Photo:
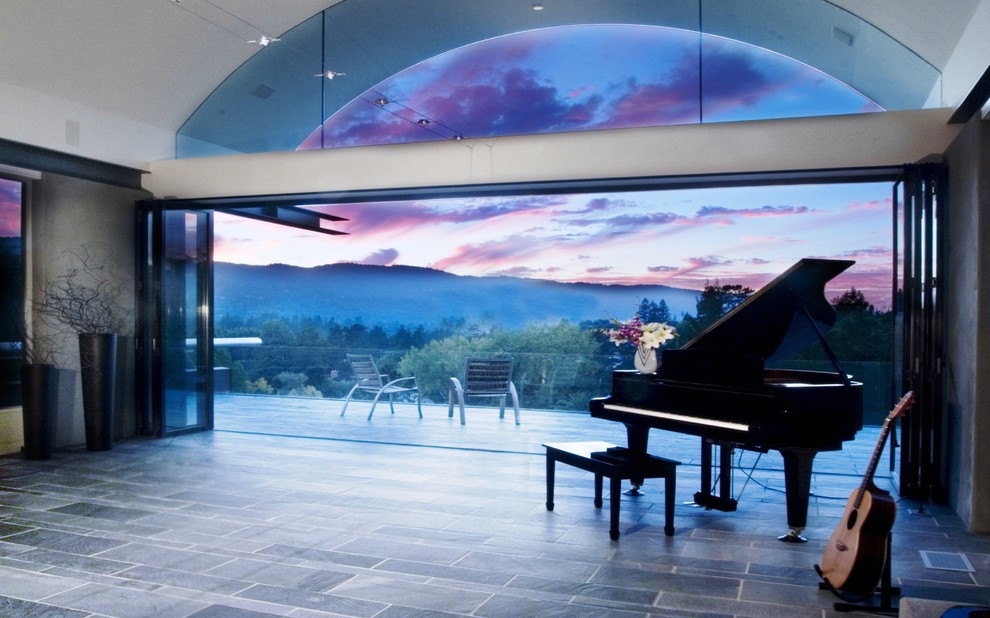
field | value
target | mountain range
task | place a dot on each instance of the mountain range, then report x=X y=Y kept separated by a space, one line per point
x=393 y=296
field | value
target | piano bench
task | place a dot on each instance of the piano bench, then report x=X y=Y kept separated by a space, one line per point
x=617 y=465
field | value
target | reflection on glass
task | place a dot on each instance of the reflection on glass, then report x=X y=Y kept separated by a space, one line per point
x=186 y=364
x=11 y=292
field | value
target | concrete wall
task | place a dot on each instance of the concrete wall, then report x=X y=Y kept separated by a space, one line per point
x=64 y=215
x=968 y=329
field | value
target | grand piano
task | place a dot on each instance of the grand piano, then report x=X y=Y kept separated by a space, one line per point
x=718 y=387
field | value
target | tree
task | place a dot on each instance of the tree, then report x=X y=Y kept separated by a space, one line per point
x=545 y=357
x=715 y=301
x=650 y=311
x=276 y=332
x=309 y=336
x=852 y=300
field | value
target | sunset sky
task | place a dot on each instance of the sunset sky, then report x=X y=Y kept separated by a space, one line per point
x=10 y=208
x=678 y=238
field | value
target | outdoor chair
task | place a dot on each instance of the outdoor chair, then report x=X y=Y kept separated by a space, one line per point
x=373 y=381
x=484 y=377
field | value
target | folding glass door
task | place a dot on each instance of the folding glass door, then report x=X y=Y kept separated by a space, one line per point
x=177 y=343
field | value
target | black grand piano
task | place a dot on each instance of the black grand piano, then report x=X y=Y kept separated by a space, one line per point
x=717 y=387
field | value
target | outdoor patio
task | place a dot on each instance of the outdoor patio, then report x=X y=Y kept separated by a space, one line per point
x=289 y=509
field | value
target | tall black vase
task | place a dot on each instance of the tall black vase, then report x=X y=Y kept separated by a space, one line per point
x=39 y=394
x=98 y=362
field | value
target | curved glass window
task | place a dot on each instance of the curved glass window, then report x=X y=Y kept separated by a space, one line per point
x=585 y=77
x=604 y=64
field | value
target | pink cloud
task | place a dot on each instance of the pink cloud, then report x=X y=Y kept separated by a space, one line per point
x=491 y=255
x=884 y=205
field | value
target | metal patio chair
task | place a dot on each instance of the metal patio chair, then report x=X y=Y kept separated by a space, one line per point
x=484 y=377
x=373 y=381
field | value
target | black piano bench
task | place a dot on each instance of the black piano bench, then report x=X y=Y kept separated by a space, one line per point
x=617 y=463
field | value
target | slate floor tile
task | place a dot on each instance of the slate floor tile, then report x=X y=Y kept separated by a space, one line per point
x=409 y=518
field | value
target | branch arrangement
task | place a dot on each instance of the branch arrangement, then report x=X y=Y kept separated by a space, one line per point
x=86 y=299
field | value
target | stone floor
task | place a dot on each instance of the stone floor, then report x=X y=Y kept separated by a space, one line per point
x=289 y=509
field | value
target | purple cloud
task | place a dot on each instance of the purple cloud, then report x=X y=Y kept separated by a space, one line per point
x=763 y=211
x=382 y=257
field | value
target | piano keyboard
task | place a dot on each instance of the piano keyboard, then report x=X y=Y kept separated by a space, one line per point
x=680 y=418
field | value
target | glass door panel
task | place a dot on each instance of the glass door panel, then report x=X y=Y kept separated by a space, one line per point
x=186 y=339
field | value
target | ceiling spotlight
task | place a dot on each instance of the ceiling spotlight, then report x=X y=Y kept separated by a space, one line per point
x=329 y=74
x=422 y=122
x=537 y=7
x=457 y=138
x=263 y=41
x=382 y=101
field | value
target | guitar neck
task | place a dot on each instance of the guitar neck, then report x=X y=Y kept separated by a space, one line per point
x=871 y=469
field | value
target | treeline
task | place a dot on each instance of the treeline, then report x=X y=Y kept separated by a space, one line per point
x=557 y=366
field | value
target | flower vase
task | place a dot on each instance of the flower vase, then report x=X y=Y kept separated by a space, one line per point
x=645 y=359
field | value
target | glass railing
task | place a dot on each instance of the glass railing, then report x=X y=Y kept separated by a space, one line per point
x=562 y=382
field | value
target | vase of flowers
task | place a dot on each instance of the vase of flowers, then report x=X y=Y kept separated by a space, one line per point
x=646 y=337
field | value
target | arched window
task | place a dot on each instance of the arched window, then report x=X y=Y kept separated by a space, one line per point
x=360 y=74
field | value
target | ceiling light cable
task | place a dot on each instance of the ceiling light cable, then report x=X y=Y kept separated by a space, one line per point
x=420 y=120
x=185 y=6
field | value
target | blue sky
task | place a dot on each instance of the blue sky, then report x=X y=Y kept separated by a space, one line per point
x=585 y=77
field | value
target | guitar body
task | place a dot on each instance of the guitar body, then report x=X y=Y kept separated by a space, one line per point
x=856 y=552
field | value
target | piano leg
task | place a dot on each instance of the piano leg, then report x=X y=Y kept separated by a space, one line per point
x=637 y=441
x=797 y=484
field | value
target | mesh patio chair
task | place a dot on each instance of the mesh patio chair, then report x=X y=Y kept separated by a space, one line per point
x=373 y=381
x=484 y=377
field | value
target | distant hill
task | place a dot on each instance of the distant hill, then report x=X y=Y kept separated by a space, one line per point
x=392 y=296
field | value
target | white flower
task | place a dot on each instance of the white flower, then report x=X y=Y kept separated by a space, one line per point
x=655 y=334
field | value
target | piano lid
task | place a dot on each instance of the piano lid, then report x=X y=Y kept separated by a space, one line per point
x=771 y=322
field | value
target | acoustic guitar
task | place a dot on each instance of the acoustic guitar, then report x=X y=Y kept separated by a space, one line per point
x=856 y=553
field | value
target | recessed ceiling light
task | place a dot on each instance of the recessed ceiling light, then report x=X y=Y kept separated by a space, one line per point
x=422 y=122
x=263 y=41
x=382 y=101
x=537 y=7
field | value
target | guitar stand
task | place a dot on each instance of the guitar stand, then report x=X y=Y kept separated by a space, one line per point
x=850 y=604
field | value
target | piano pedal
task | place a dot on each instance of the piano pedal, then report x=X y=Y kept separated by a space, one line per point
x=633 y=491
x=793 y=536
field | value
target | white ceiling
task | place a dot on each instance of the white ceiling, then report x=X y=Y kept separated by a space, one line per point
x=154 y=61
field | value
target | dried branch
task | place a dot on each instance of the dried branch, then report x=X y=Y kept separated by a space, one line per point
x=87 y=298
x=37 y=349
